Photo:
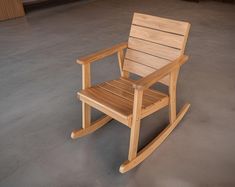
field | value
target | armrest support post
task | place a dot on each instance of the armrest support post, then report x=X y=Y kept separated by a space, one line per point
x=86 y=76
x=86 y=82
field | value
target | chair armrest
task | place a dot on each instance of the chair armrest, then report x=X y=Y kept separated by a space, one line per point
x=101 y=54
x=152 y=78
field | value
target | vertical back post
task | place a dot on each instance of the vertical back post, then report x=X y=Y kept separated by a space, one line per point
x=120 y=55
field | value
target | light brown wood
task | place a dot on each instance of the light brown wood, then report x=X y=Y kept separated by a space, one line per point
x=135 y=128
x=86 y=115
x=102 y=54
x=94 y=126
x=142 y=70
x=86 y=83
x=185 y=38
x=155 y=143
x=153 y=42
x=159 y=74
x=163 y=24
x=11 y=9
x=120 y=62
x=86 y=76
x=126 y=120
x=134 y=67
x=116 y=99
x=172 y=94
x=155 y=51
x=156 y=36
x=146 y=59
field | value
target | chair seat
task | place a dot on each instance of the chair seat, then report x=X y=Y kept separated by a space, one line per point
x=115 y=98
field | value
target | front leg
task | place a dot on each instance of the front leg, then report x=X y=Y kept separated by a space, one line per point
x=86 y=115
x=135 y=127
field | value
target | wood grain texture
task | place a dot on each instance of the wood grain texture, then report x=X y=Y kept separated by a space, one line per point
x=153 y=42
x=146 y=59
x=135 y=127
x=120 y=55
x=152 y=78
x=172 y=94
x=158 y=23
x=116 y=98
x=154 y=51
x=156 y=36
x=86 y=83
x=102 y=54
x=11 y=9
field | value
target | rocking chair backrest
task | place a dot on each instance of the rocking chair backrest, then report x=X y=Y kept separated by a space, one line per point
x=153 y=43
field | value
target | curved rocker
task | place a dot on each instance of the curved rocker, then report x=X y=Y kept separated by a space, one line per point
x=155 y=143
x=93 y=127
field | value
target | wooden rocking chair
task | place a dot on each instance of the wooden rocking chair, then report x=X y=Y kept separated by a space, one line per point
x=155 y=51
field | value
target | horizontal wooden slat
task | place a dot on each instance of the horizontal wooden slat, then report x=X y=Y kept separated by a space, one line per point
x=122 y=87
x=116 y=97
x=149 y=92
x=127 y=85
x=169 y=69
x=105 y=101
x=143 y=58
x=163 y=24
x=153 y=43
x=124 y=94
x=153 y=49
x=156 y=36
x=142 y=70
x=137 y=68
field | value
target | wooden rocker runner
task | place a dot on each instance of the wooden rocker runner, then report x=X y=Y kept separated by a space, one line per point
x=155 y=51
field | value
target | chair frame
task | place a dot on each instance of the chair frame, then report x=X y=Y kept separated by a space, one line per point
x=171 y=69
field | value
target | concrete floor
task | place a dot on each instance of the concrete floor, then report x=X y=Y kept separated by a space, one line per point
x=38 y=106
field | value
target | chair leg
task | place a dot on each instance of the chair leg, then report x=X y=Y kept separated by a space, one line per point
x=135 y=127
x=172 y=107
x=134 y=140
x=86 y=115
x=172 y=95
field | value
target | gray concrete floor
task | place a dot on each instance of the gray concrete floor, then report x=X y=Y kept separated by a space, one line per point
x=38 y=106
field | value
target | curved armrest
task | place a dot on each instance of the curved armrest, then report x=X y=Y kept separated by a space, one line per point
x=152 y=78
x=101 y=54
